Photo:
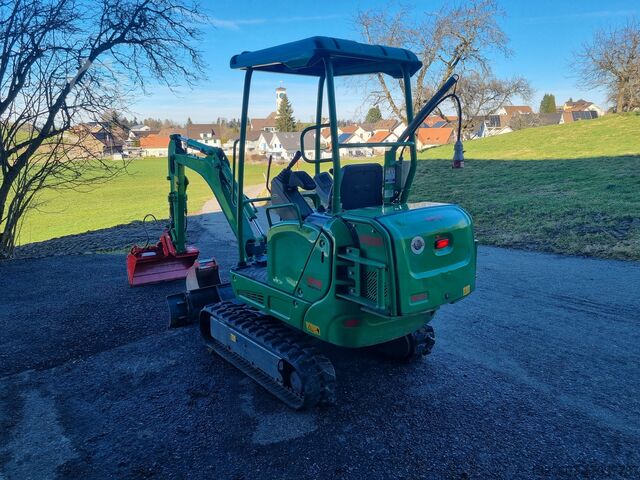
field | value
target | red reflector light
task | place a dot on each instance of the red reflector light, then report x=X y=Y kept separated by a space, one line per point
x=442 y=243
x=352 y=322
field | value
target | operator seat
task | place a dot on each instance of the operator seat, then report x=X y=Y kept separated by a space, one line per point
x=284 y=189
x=361 y=186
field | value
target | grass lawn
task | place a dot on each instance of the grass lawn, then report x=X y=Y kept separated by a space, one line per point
x=609 y=136
x=577 y=193
x=571 y=188
x=122 y=200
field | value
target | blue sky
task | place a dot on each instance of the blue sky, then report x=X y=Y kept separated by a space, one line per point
x=542 y=36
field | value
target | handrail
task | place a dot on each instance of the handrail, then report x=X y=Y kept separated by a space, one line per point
x=376 y=144
x=346 y=145
x=303 y=133
x=257 y=199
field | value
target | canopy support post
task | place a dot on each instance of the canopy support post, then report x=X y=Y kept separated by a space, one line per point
x=335 y=150
x=242 y=254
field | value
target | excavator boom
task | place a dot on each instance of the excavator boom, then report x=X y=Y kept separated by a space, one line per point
x=171 y=258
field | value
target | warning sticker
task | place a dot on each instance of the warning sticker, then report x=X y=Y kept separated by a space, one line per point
x=313 y=328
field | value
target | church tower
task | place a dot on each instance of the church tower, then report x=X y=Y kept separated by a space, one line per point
x=280 y=93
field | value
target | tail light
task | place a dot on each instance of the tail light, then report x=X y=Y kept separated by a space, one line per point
x=442 y=243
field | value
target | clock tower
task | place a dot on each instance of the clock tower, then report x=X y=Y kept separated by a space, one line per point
x=280 y=93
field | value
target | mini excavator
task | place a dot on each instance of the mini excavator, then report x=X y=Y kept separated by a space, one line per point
x=344 y=260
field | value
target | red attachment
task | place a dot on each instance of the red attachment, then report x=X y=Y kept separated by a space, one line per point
x=442 y=243
x=159 y=263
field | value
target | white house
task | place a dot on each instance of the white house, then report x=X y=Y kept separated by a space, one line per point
x=488 y=131
x=263 y=144
x=284 y=145
x=206 y=133
x=583 y=106
x=382 y=136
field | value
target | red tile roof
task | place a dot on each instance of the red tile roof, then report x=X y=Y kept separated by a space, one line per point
x=349 y=128
x=154 y=141
x=386 y=124
x=515 y=109
x=433 y=119
x=379 y=136
x=434 y=136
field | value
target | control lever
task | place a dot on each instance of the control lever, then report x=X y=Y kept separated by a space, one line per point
x=297 y=156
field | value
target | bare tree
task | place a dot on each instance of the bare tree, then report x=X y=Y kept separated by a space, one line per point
x=612 y=61
x=482 y=95
x=453 y=39
x=69 y=62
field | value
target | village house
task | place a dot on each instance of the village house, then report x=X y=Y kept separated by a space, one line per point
x=438 y=121
x=264 y=124
x=284 y=145
x=433 y=137
x=154 y=145
x=207 y=133
x=382 y=136
x=100 y=139
x=263 y=144
x=545 y=119
x=583 y=106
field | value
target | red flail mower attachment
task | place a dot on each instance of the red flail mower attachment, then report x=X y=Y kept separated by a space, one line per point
x=159 y=263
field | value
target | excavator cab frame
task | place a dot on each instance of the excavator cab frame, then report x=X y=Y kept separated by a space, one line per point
x=326 y=58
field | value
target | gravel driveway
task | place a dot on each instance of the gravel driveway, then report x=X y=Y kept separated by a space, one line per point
x=534 y=375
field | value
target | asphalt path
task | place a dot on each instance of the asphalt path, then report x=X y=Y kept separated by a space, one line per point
x=536 y=374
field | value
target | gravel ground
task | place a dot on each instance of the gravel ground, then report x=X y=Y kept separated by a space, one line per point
x=534 y=375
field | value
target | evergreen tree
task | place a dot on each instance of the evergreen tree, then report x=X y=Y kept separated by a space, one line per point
x=548 y=104
x=285 y=122
x=373 y=115
x=189 y=122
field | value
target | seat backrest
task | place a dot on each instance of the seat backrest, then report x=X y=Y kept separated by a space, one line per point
x=361 y=186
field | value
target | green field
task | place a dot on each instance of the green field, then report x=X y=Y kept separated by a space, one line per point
x=609 y=136
x=143 y=189
x=571 y=188
x=577 y=192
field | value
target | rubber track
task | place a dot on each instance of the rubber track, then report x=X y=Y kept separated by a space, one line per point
x=315 y=370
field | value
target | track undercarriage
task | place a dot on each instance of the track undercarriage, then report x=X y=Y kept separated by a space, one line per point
x=283 y=360
x=280 y=359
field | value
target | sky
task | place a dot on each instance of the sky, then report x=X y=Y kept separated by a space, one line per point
x=542 y=36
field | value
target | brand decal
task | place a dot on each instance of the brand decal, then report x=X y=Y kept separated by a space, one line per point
x=371 y=240
x=419 y=297
x=417 y=245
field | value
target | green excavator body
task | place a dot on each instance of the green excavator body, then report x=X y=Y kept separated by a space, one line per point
x=345 y=258
x=366 y=277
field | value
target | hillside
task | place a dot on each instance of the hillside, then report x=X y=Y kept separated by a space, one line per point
x=609 y=136
x=578 y=193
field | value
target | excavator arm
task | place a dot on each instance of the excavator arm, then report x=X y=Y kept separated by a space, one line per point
x=215 y=169
x=171 y=258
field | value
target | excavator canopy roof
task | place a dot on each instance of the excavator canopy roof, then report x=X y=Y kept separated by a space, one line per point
x=305 y=57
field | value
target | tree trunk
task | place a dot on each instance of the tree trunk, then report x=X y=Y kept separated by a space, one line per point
x=620 y=100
